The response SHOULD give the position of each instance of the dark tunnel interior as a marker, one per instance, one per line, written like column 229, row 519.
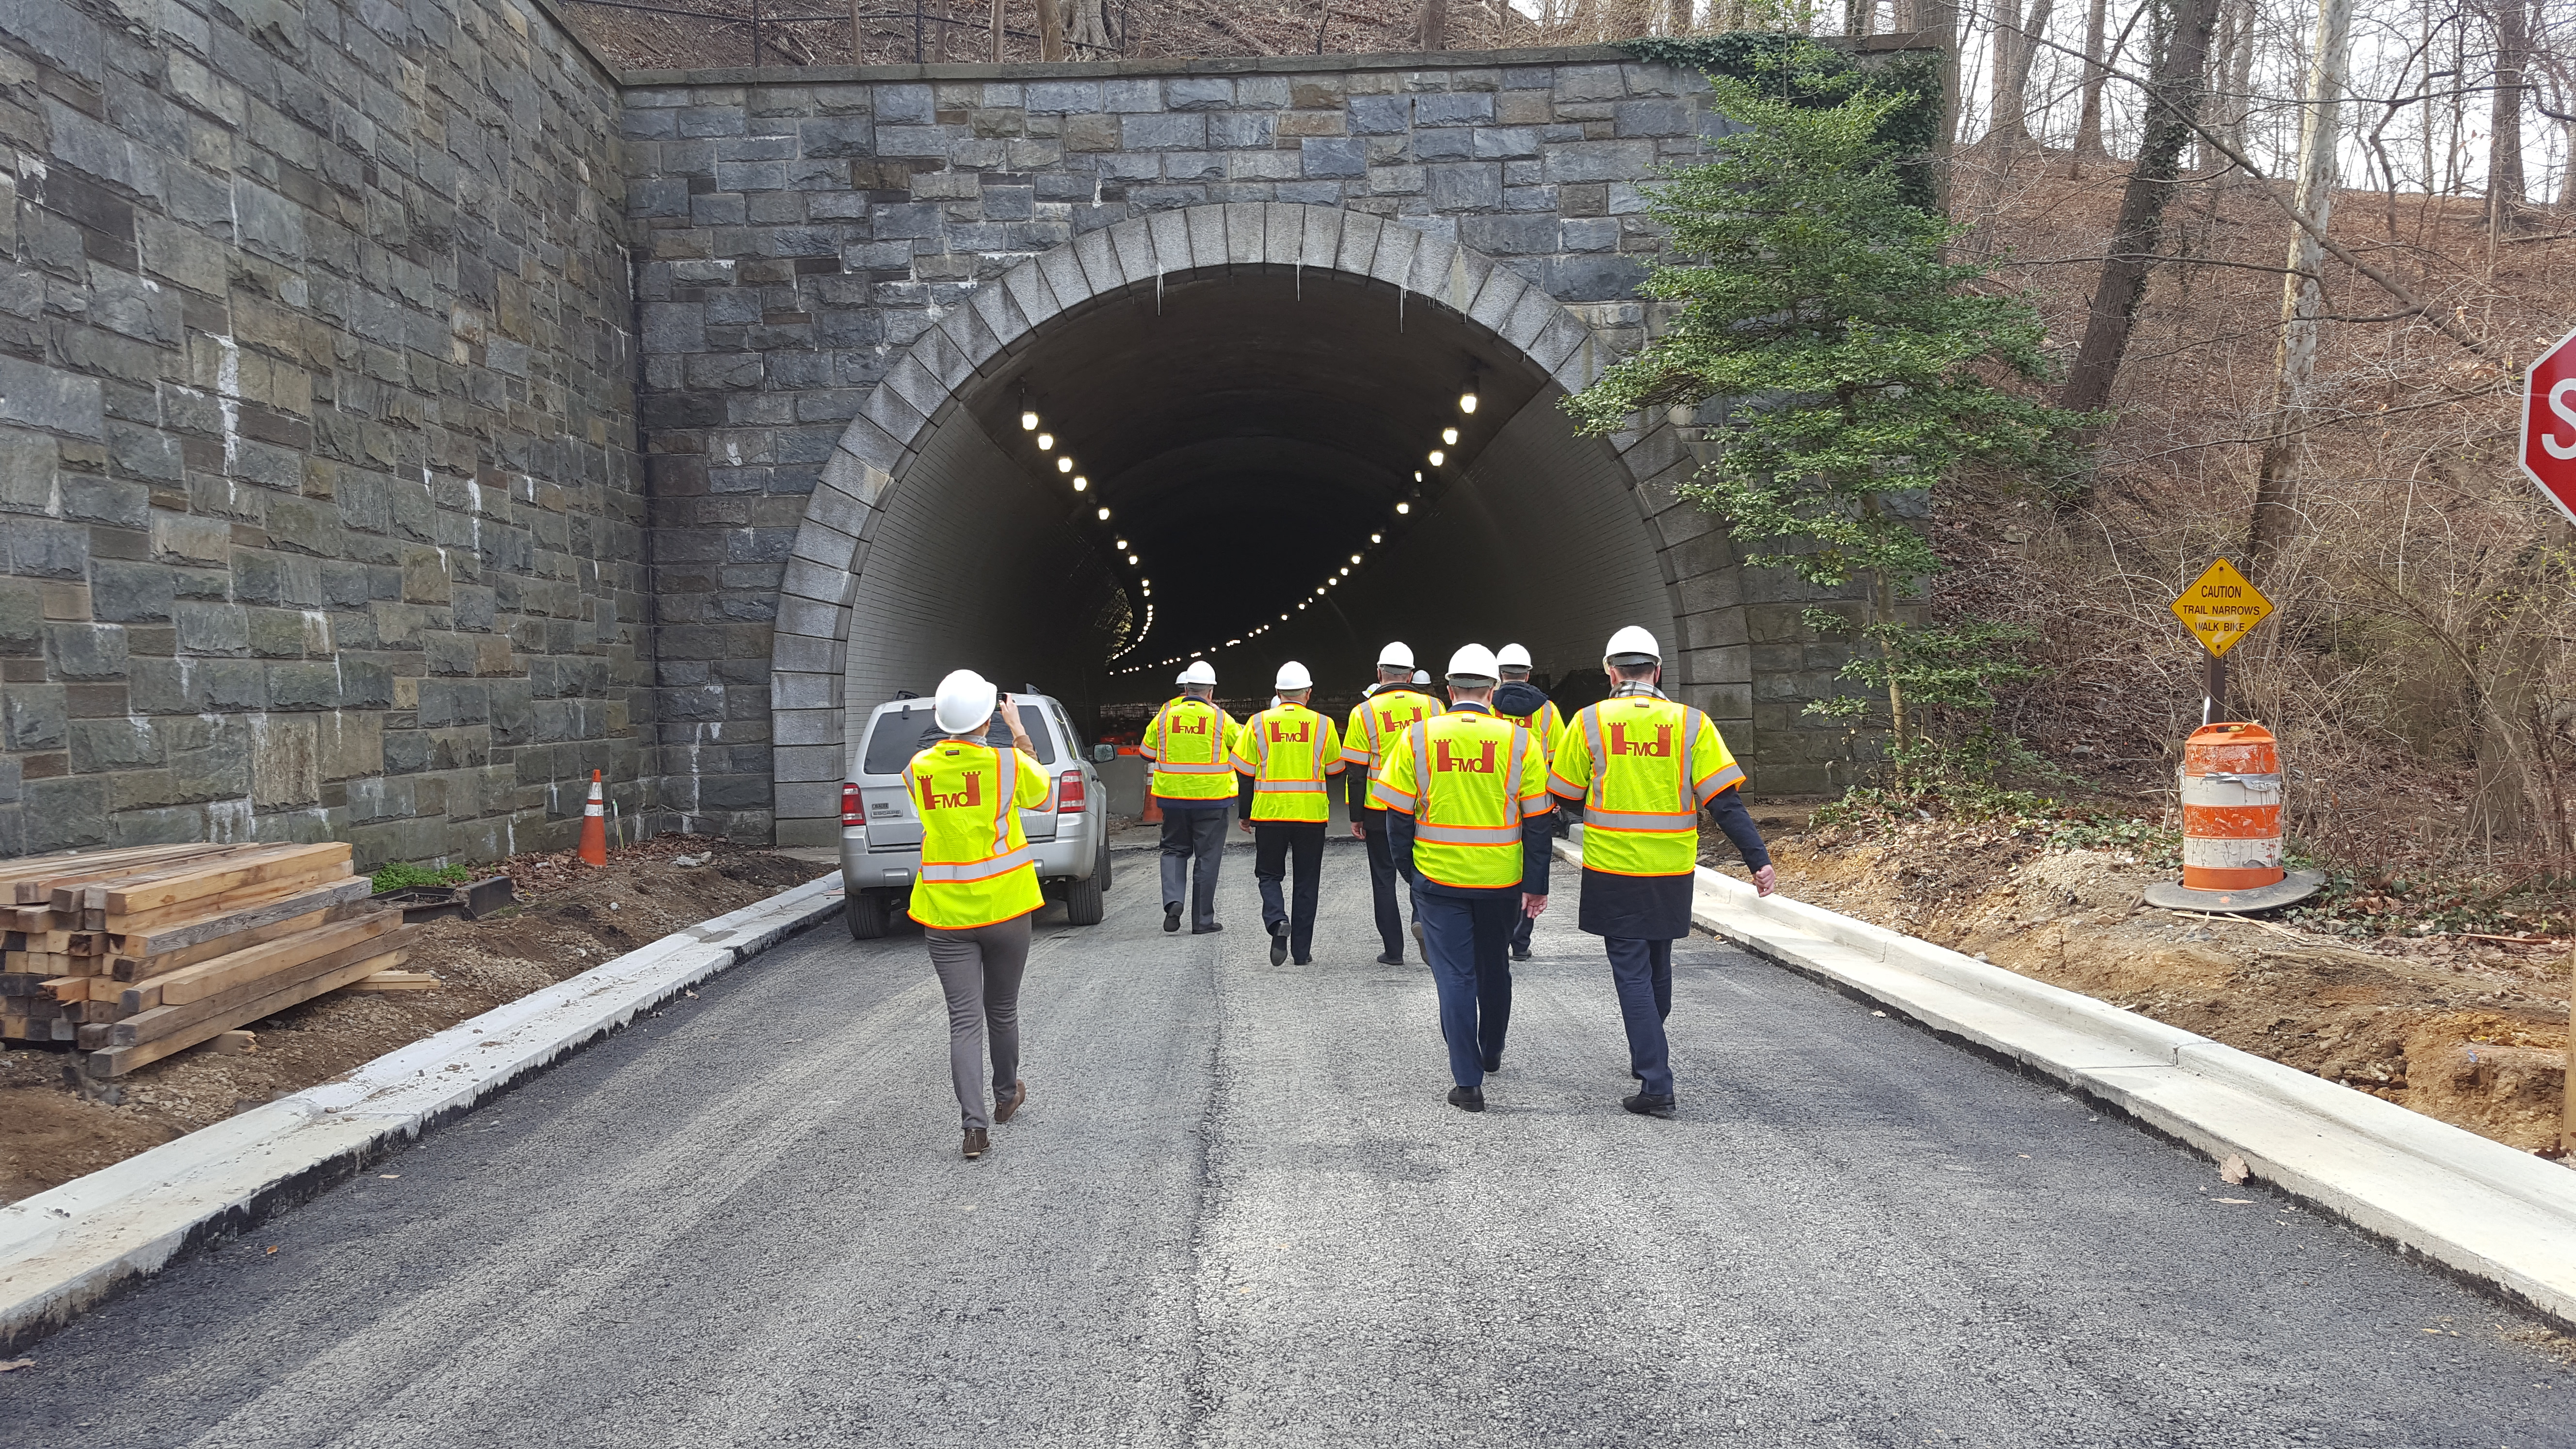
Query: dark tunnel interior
column 1248, row 430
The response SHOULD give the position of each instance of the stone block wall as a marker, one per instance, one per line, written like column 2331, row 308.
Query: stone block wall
column 320, row 511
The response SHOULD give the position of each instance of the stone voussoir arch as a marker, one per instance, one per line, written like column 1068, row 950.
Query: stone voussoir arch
column 829, row 556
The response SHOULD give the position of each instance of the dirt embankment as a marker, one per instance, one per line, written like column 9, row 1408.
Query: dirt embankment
column 2472, row 1032
column 574, row 918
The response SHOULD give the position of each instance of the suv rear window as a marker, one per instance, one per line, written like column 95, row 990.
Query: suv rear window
column 900, row 734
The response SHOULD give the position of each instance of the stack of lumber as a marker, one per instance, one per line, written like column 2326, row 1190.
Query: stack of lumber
column 131, row 955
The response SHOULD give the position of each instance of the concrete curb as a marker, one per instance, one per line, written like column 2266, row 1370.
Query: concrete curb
column 72, row 1248
column 2500, row 1217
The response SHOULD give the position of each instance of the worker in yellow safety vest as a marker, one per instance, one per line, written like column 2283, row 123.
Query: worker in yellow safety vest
column 1287, row 755
column 978, row 888
column 1525, row 704
column 1391, row 705
column 1467, row 806
column 1190, row 746
column 1644, row 766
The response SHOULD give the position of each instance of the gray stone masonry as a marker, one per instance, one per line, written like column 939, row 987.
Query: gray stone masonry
column 320, row 513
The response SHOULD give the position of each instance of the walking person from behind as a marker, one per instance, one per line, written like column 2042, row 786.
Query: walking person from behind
column 1525, row 704
column 1287, row 755
column 1393, row 704
column 1468, row 807
column 977, row 889
column 1190, row 745
column 1643, row 767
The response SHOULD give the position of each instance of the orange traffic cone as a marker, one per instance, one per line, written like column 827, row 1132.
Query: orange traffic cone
column 594, row 826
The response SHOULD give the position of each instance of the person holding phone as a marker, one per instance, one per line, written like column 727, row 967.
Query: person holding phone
column 978, row 889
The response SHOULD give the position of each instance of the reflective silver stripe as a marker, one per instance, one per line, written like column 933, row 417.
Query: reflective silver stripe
column 1591, row 718
column 981, row 869
column 1274, row 787
column 1166, row 767
column 1716, row 786
column 1006, row 787
column 1690, row 738
column 1468, row 834
column 1638, row 820
column 1390, row 798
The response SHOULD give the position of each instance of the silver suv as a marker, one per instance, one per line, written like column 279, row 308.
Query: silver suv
column 881, row 833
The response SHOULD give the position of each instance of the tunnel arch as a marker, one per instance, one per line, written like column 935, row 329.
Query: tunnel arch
column 1249, row 381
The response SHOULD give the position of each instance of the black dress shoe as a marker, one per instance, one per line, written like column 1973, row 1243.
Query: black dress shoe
column 1171, row 916
column 1390, row 958
column 1494, row 1067
column 977, row 1143
column 1210, row 929
column 1648, row 1106
column 1467, row 1099
column 1520, row 953
column 1304, row 961
column 1278, row 942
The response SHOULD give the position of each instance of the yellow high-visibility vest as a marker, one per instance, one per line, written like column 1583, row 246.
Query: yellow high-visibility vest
column 1191, row 745
column 1642, row 766
column 1289, row 751
column 1468, row 780
column 1375, row 723
column 1544, row 726
column 977, row 868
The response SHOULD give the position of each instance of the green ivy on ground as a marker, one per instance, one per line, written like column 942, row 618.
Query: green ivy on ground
column 403, row 875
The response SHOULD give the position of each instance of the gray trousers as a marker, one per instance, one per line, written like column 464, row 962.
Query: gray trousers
column 1198, row 835
column 979, row 970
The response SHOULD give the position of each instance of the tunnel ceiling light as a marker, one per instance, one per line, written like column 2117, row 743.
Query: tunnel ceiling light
column 1046, row 442
column 1104, row 515
column 1080, row 482
column 1377, row 538
column 1122, row 543
column 1064, row 465
column 1346, row 573
column 1417, row 475
column 1449, row 436
column 1355, row 558
column 1131, row 558
column 1437, row 458
column 1028, row 421
column 1403, row 507
column 1467, row 401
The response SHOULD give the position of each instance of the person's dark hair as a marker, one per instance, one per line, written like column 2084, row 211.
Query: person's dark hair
column 1633, row 673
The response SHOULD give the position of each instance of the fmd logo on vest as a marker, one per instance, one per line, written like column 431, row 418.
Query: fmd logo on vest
column 1279, row 734
column 1662, row 748
column 1443, row 761
column 966, row 799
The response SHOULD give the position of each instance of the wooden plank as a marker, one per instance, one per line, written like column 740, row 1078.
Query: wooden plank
column 396, row 981
column 68, row 988
column 169, row 1017
column 209, row 928
column 30, row 878
column 91, row 892
column 144, row 968
column 117, row 1061
column 256, row 893
column 223, row 973
column 122, row 898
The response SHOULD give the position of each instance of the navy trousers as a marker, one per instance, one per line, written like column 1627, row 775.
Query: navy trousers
column 1384, row 876
column 1468, row 939
column 1276, row 844
column 1642, row 971
column 1522, row 925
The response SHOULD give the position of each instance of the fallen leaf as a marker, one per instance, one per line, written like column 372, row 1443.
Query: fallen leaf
column 15, row 1364
column 272, row 1248
column 2239, row 1201
column 1878, row 1013
column 388, row 1176
column 2233, row 1168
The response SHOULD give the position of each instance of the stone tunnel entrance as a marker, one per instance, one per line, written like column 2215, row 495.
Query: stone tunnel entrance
column 1249, row 425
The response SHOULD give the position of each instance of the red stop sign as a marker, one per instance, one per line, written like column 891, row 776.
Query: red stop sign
column 2549, row 424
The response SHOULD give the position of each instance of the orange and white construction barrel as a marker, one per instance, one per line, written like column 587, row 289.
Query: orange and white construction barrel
column 2231, row 825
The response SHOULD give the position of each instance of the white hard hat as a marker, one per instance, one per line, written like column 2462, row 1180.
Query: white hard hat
column 1292, row 677
column 1512, row 656
column 964, row 702
column 1395, row 656
column 1473, row 666
column 1631, row 645
column 1422, row 676
column 1199, row 672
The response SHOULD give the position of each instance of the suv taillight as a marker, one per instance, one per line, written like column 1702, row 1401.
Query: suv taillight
column 851, row 813
column 1069, row 798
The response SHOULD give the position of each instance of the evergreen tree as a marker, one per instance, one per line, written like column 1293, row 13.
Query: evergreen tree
column 1856, row 366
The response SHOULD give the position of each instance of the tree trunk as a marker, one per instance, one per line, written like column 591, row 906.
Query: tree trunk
column 2175, row 84
column 2088, row 122
column 1431, row 29
column 1681, row 17
column 997, row 29
column 2026, row 40
column 2003, row 78
column 2505, row 190
column 1050, row 30
column 1089, row 36
column 2302, row 299
column 1860, row 17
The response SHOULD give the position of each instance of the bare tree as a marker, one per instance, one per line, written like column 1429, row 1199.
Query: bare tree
column 2088, row 121
column 2175, row 85
column 2505, row 190
column 1050, row 29
column 2302, row 293
column 2007, row 80
column 1433, row 32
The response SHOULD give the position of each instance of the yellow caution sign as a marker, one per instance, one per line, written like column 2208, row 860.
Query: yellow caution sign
column 2220, row 608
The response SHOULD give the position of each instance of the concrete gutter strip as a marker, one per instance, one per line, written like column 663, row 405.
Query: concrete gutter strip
column 2479, row 1208
column 66, row 1250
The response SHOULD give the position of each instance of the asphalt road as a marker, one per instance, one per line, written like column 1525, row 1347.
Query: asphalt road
column 1237, row 1211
